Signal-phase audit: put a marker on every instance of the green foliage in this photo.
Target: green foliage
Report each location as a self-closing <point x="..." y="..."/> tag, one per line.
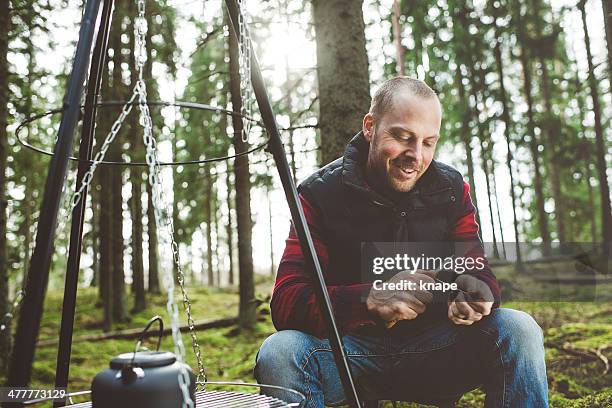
<point x="229" y="353"/>
<point x="600" y="400"/>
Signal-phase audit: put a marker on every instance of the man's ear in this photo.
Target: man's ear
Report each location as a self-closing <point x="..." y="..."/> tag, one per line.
<point x="368" y="127"/>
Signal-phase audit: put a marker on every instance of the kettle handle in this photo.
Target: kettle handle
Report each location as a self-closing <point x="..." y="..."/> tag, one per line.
<point x="141" y="337"/>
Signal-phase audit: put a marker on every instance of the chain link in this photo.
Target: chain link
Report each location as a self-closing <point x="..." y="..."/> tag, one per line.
<point x="246" y="90"/>
<point x="99" y="157"/>
<point x="163" y="219"/>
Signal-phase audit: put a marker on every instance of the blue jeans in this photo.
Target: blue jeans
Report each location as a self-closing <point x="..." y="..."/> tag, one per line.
<point x="503" y="353"/>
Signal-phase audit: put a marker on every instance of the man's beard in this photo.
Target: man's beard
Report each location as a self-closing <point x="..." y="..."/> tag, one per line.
<point x="381" y="176"/>
<point x="403" y="173"/>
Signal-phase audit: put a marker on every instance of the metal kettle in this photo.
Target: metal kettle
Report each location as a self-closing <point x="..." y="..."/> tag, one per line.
<point x="142" y="379"/>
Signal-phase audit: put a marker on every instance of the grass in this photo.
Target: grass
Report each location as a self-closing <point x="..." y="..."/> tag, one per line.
<point x="229" y="353"/>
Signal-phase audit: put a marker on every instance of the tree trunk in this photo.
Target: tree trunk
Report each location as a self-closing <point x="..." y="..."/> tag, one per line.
<point x="119" y="301"/>
<point x="604" y="189"/>
<point x="342" y="73"/>
<point x="105" y="215"/>
<point x="106" y="251"/>
<point x="117" y="92"/>
<point x="478" y="82"/>
<point x="464" y="108"/>
<point x="230" y="227"/>
<point x="215" y="212"/>
<point x="98" y="214"/>
<point x="466" y="136"/>
<point x="27" y="225"/>
<point x="5" y="335"/>
<point x="287" y="94"/>
<point x="586" y="157"/>
<point x="271" y="235"/>
<point x="154" y="286"/>
<point x="484" y="148"/>
<point x="533" y="143"/>
<point x="416" y="12"/>
<point x="178" y="232"/>
<point x="138" y="283"/>
<point x="397" y="38"/>
<point x="95" y="243"/>
<point x="137" y="154"/>
<point x="215" y="220"/>
<point x="137" y="333"/>
<point x="28" y="156"/>
<point x="208" y="217"/>
<point x="485" y="169"/>
<point x="499" y="219"/>
<point x="507" y="128"/>
<point x="551" y="133"/>
<point x="247" y="308"/>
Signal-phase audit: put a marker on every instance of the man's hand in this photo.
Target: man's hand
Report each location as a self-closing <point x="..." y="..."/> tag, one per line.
<point x="395" y="305"/>
<point x="474" y="301"/>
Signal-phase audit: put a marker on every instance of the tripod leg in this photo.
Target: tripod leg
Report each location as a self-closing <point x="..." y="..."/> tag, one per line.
<point x="78" y="213"/>
<point x="20" y="368"/>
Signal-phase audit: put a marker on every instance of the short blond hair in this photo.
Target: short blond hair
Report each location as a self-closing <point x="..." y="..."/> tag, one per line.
<point x="383" y="98"/>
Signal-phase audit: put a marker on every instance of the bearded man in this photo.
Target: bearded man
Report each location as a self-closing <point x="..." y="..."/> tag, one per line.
<point x="409" y="345"/>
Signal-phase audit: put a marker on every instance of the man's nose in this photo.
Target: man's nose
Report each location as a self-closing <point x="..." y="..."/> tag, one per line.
<point x="414" y="151"/>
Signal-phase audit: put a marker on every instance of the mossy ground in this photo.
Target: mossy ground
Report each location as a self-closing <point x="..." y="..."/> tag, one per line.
<point x="229" y="353"/>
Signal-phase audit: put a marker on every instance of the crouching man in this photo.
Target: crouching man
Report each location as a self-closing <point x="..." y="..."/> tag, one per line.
<point x="402" y="344"/>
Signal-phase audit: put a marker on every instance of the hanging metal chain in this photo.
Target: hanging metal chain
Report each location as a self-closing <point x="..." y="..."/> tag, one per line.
<point x="99" y="157"/>
<point x="162" y="214"/>
<point x="162" y="219"/>
<point x="246" y="89"/>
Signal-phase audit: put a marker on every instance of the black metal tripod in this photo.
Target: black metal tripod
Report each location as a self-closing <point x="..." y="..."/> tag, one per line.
<point x="28" y="327"/>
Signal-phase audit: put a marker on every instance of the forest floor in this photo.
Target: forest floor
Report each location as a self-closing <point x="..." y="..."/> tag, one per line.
<point x="578" y="340"/>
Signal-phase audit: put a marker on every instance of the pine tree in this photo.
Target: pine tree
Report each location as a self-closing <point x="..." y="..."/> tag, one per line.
<point x="135" y="202"/>
<point x="505" y="117"/>
<point x="342" y="62"/>
<point x="247" y="307"/>
<point x="542" y="216"/>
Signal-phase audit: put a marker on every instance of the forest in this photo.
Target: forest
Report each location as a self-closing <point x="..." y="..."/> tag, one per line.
<point x="526" y="110"/>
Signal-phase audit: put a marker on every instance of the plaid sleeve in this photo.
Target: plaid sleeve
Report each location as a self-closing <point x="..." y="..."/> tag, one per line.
<point x="466" y="230"/>
<point x="294" y="304"/>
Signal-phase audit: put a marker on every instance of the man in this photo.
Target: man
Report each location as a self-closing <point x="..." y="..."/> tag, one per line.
<point x="401" y="344"/>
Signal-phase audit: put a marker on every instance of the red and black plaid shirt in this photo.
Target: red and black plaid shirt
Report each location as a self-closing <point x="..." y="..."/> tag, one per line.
<point x="294" y="304"/>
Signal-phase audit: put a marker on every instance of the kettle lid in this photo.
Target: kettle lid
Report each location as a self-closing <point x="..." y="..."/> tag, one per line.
<point x="144" y="359"/>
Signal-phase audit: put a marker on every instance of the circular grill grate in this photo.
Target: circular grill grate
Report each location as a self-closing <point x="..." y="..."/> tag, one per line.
<point x="226" y="399"/>
<point x="212" y="399"/>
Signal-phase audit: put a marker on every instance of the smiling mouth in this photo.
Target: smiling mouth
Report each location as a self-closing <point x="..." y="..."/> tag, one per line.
<point x="406" y="171"/>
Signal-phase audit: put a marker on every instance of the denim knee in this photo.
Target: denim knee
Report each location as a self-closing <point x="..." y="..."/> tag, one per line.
<point x="517" y="328"/>
<point x="282" y="350"/>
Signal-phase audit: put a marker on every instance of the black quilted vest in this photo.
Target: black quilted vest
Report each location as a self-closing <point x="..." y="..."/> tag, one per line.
<point x="351" y="213"/>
